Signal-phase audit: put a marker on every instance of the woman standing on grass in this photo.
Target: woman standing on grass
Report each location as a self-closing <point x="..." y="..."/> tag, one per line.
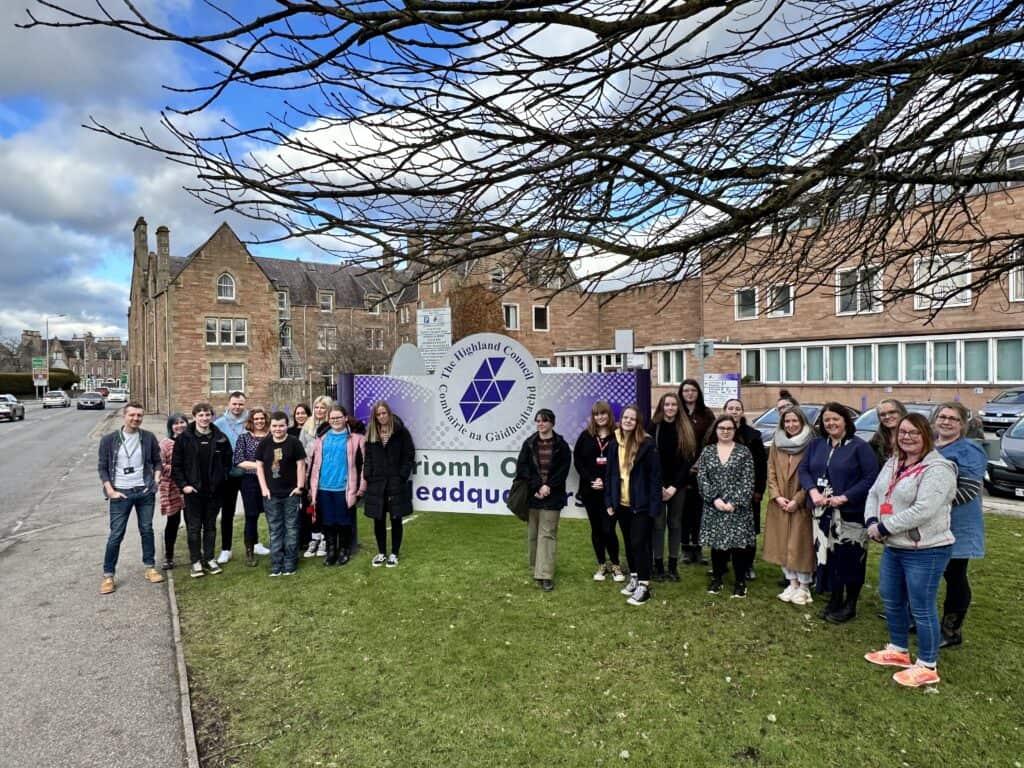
<point x="633" y="496"/>
<point x="335" y="484"/>
<point x="257" y="427"/>
<point x="390" y="456"/>
<point x="750" y="437"/>
<point x="171" y="500"/>
<point x="837" y="471"/>
<point x="908" y="509"/>
<point x="725" y="474"/>
<point x="789" y="530"/>
<point x="677" y="451"/>
<point x="883" y="442"/>
<point x="591" y="456"/>
<point x="701" y="418"/>
<point x="300" y="415"/>
<point x="310" y="527"/>
<point x="968" y="525"/>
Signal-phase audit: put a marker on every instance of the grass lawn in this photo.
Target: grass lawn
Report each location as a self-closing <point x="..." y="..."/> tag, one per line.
<point x="455" y="658"/>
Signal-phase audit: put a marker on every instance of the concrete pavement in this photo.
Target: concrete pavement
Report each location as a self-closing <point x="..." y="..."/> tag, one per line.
<point x="87" y="680"/>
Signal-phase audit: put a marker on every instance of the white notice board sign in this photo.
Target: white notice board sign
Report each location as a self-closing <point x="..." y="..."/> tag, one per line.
<point x="719" y="387"/>
<point x="433" y="334"/>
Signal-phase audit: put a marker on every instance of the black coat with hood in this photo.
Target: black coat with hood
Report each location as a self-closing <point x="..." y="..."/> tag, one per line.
<point x="387" y="470"/>
<point x="185" y="468"/>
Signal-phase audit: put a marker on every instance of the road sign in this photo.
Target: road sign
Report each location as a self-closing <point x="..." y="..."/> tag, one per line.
<point x="433" y="334"/>
<point x="40" y="376"/>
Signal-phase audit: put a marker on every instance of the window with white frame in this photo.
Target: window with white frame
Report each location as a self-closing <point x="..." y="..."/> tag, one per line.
<point x="1017" y="284"/>
<point x="858" y="290"/>
<point x="326" y="337"/>
<point x="227" y="377"/>
<point x="286" y="337"/>
<point x="889" y="362"/>
<point x="976" y="361"/>
<point x="837" y="364"/>
<point x="1009" y="361"/>
<point x="435" y="285"/>
<point x="282" y="302"/>
<point x="374" y="338"/>
<point x="225" y="288"/>
<point x="794" y="364"/>
<point x="372" y="303"/>
<point x="944" y="362"/>
<point x="752" y="364"/>
<point x="497" y="277"/>
<point x="915" y="362"/>
<point x="772" y="365"/>
<point x="511" y="315"/>
<point x="403" y="314"/>
<point x="227" y="331"/>
<point x="942" y="281"/>
<point x="780" y="301"/>
<point x="746" y="303"/>
<point x="540" y="318"/>
<point x="325" y="300"/>
<point x="671" y="366"/>
<point x="815" y="364"/>
<point x="863" y="370"/>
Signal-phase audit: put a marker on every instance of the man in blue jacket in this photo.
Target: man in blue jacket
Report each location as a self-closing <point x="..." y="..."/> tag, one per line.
<point x="129" y="468"/>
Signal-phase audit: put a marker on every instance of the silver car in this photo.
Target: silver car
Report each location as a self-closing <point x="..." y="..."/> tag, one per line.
<point x="11" y="409"/>
<point x="1002" y="410"/>
<point x="56" y="398"/>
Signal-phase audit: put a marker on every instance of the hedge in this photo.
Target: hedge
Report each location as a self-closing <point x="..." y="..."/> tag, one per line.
<point x="21" y="383"/>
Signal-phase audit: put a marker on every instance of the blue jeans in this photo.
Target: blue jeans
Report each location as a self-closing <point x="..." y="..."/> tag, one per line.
<point x="120" y="510"/>
<point x="912" y="576"/>
<point x="283" y="521"/>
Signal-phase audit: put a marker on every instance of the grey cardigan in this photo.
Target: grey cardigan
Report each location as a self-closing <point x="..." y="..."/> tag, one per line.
<point x="921" y="503"/>
<point x="150" y="448"/>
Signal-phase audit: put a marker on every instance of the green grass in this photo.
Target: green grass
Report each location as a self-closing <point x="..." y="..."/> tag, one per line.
<point x="457" y="659"/>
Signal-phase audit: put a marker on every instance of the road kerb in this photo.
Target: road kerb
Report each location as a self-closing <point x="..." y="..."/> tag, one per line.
<point x="188" y="727"/>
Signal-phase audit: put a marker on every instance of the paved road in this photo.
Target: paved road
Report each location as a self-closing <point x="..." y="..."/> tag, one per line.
<point x="86" y="680"/>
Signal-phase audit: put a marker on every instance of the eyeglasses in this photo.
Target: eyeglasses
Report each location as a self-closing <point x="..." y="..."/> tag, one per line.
<point x="726" y="429"/>
<point x="336" y="418"/>
<point x="909" y="433"/>
<point x="943" y="417"/>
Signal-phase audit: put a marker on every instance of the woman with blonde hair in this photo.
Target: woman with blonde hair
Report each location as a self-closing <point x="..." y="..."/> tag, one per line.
<point x="677" y="450"/>
<point x="593" y="452"/>
<point x="310" y="526"/>
<point x="335" y="484"/>
<point x="389" y="459"/>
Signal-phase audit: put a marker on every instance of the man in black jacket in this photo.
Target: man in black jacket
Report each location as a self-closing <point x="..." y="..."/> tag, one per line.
<point x="544" y="463"/>
<point x="200" y="463"/>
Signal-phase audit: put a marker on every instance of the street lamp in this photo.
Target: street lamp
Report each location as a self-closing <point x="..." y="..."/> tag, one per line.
<point x="47" y="320"/>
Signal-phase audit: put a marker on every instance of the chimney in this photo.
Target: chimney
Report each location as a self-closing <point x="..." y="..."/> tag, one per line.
<point x="163" y="258"/>
<point x="141" y="251"/>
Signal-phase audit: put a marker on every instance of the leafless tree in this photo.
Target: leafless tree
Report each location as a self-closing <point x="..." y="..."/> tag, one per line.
<point x="11" y="359"/>
<point x="766" y="139"/>
<point x="357" y="353"/>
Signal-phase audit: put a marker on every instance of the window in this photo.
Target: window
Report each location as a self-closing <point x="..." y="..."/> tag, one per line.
<point x="671" y="367"/>
<point x="942" y="281"/>
<point x="326" y="300"/>
<point x="225" y="288"/>
<point x="793" y="365"/>
<point x="1009" y="361"/>
<point x="435" y="285"/>
<point x="227" y="331"/>
<point x="1017" y="284"/>
<point x="374" y="338"/>
<point x="915" y="362"/>
<point x="780" y="301"/>
<point x="373" y="302"/>
<point x="497" y="277"/>
<point x="327" y="337"/>
<point x="1015" y="163"/>
<point x="772" y="365"/>
<point x="403" y="314"/>
<point x="815" y="364"/>
<point x="862" y="368"/>
<point x="859" y="290"/>
<point x="540" y="318"/>
<point x="837" y="370"/>
<point x="282" y="302"/>
<point x="227" y="377"/>
<point x="746" y="303"/>
<point x="944" y="361"/>
<point x="888" y="362"/>
<point x="286" y="337"/>
<point x="976" y="361"/>
<point x="752" y="364"/>
<point x="511" y="313"/>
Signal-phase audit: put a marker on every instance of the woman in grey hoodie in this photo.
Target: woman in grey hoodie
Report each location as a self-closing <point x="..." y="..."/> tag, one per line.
<point x="908" y="509"/>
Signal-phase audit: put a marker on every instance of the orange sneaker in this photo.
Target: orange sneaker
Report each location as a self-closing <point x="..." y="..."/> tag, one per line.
<point x="107" y="586"/>
<point x="889" y="657"/>
<point x="153" y="576"/>
<point x="916" y="676"/>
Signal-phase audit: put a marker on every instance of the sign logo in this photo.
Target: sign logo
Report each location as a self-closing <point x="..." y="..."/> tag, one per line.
<point x="486" y="391"/>
<point x="495" y="382"/>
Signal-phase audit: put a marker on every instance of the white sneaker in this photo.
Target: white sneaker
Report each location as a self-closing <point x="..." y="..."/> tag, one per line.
<point x="197" y="572"/>
<point x="634" y="582"/>
<point x="378" y="561"/>
<point x="599" y="573"/>
<point x="321" y="550"/>
<point x="259" y="549"/>
<point x="802" y="596"/>
<point x="392" y="561"/>
<point x="224" y="556"/>
<point x="314" y="544"/>
<point x="786" y="595"/>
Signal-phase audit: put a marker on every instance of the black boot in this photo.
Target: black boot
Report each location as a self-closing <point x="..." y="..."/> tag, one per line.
<point x="688" y="556"/>
<point x="835" y="603"/>
<point x="849" y="607"/>
<point x="951" y="636"/>
<point x="673" y="569"/>
<point x="250" y="554"/>
<point x="331" y="545"/>
<point x="659" y="570"/>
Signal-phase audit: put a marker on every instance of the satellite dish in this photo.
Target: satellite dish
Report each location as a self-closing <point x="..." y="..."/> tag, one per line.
<point x="407" y="361"/>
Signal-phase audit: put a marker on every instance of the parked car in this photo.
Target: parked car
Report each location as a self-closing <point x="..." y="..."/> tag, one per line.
<point x="91" y="401"/>
<point x="768" y="421"/>
<point x="1002" y="410"/>
<point x="867" y="422"/>
<point x="56" y="398"/>
<point x="1005" y="475"/>
<point x="11" y="409"/>
<point x="118" y="396"/>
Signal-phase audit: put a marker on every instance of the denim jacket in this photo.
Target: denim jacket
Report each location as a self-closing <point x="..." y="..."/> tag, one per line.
<point x="110" y="443"/>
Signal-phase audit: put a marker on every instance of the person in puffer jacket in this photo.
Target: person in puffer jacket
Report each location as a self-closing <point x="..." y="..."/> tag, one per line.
<point x="908" y="509"/>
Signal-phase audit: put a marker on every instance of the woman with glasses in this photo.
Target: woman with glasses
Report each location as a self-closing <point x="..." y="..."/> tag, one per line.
<point x="335" y="485"/>
<point x="257" y="427"/>
<point x="310" y="528"/>
<point x="543" y="463"/>
<point x="389" y="460"/>
<point x="908" y="510"/>
<point x="725" y="475"/>
<point x="968" y="525"/>
<point x="836" y="472"/>
<point x="883" y="442"/>
<point x="593" y="451"/>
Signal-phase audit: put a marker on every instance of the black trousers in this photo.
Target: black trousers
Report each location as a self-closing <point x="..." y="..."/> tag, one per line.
<point x="201" y="525"/>
<point x="741" y="561"/>
<point x="173" y="522"/>
<point x="638" y="541"/>
<point x="693" y="507"/>
<point x="228" y="502"/>
<point x="602" y="528"/>
<point x="958" y="588"/>
<point x="380" y="532"/>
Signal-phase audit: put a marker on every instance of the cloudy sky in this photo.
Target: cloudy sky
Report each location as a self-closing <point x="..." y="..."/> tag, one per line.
<point x="70" y="196"/>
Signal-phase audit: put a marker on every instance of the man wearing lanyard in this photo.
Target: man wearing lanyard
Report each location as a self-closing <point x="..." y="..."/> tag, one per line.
<point x="129" y="468"/>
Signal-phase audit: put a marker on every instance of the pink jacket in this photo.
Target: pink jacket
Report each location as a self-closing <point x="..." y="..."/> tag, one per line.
<point x="355" y="486"/>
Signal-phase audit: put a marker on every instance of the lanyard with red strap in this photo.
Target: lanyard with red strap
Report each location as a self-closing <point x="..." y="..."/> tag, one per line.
<point x="903" y="472"/>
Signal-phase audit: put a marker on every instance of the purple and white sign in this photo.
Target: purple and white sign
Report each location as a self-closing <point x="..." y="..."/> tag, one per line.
<point x="470" y="417"/>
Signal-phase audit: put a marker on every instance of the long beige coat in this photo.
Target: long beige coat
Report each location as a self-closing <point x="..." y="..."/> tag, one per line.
<point x="788" y="537"/>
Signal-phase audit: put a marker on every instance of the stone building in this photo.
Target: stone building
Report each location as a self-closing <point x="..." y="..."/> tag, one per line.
<point x="93" y="359"/>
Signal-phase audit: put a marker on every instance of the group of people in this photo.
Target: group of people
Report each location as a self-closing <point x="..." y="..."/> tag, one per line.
<point x="700" y="479"/>
<point x="306" y="477"/>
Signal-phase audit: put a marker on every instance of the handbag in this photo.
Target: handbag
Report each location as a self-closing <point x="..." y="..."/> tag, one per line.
<point x="518" y="500"/>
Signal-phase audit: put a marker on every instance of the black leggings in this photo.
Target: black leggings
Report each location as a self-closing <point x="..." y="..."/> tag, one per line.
<point x="173" y="522"/>
<point x="693" y="507"/>
<point x="380" y="531"/>
<point x="228" y="502"/>
<point x="958" y="589"/>
<point x="602" y="528"/>
<point x="636" y="530"/>
<point x="741" y="560"/>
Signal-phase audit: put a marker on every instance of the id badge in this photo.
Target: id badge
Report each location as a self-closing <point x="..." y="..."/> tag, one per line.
<point x="885" y="509"/>
<point x="602" y="460"/>
<point x="129" y="470"/>
<point x="822" y="482"/>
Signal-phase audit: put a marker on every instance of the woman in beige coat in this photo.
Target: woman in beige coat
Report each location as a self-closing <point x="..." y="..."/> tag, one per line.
<point x="788" y="535"/>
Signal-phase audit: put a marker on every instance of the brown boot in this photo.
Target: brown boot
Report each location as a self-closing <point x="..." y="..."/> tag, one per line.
<point x="250" y="555"/>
